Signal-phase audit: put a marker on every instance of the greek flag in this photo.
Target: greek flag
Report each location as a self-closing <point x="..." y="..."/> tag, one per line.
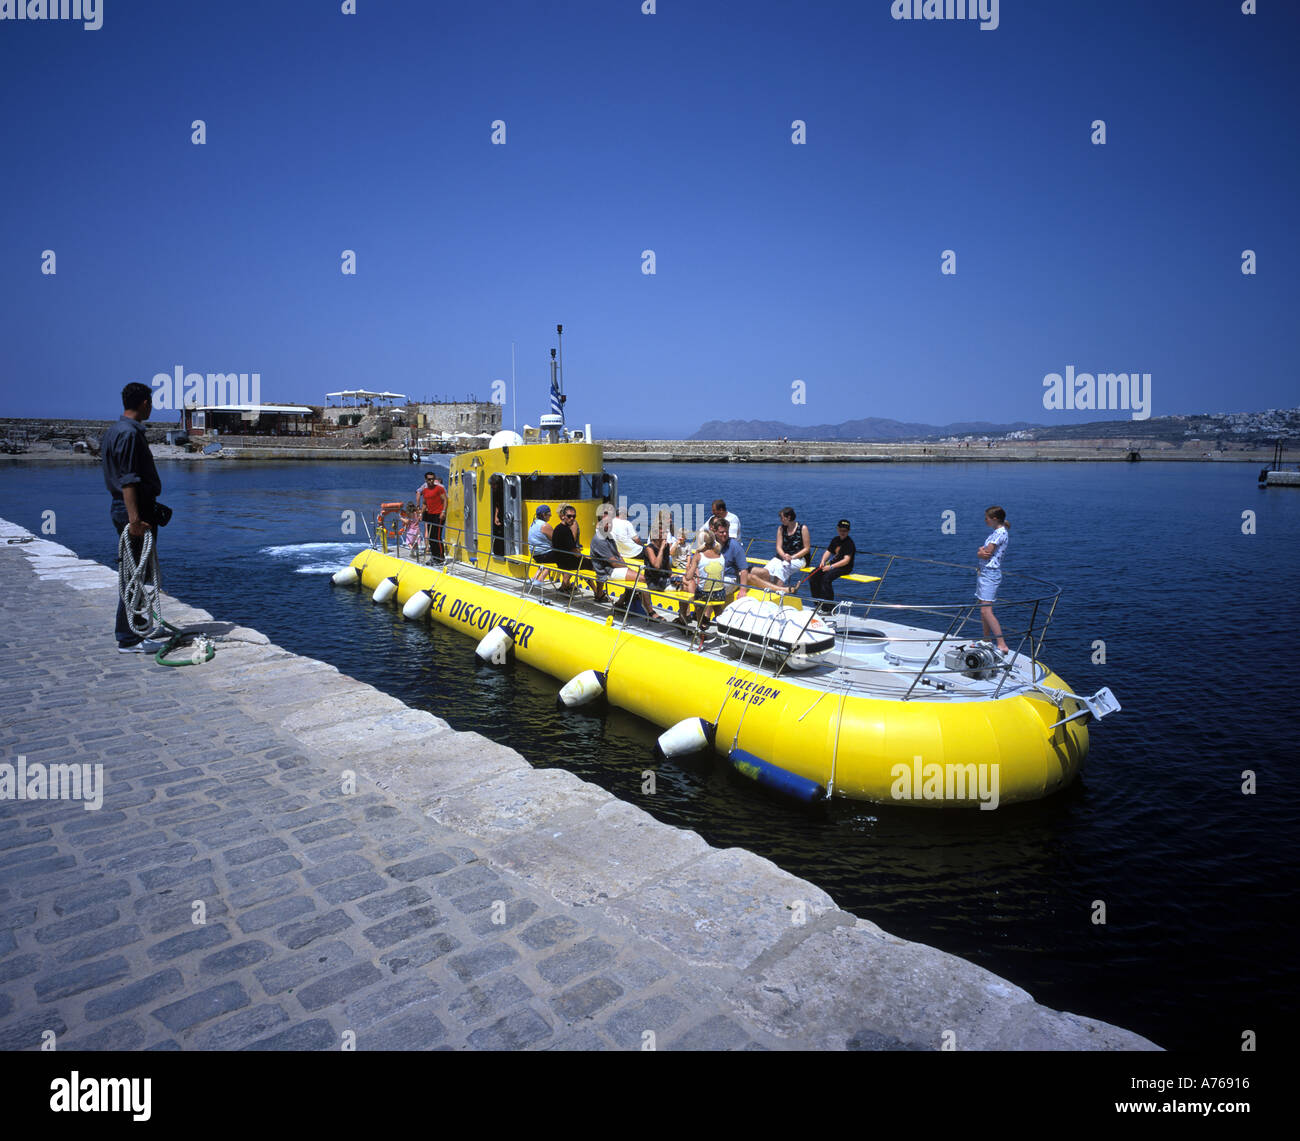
<point x="557" y="406"/>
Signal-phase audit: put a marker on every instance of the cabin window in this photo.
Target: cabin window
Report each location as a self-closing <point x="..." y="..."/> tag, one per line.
<point x="559" y="487"/>
<point x="603" y="486"/>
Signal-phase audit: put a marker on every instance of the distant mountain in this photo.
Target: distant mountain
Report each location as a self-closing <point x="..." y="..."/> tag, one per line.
<point x="1243" y="427"/>
<point x="872" y="428"/>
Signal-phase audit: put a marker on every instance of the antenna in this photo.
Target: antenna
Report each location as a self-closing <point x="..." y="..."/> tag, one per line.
<point x="514" y="407"/>
<point x="559" y="334"/>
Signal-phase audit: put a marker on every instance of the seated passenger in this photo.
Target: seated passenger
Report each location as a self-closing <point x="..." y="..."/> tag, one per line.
<point x="735" y="568"/>
<point x="705" y="581"/>
<point x="624" y="534"/>
<point x="720" y="512"/>
<point x="540" y="546"/>
<point x="658" y="553"/>
<point x="566" y="548"/>
<point x="609" y="564"/>
<point x="566" y="540"/>
<point x="836" y="560"/>
<point x="793" y="546"/>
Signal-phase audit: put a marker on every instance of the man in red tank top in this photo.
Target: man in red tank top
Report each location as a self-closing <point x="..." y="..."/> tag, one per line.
<point x="433" y="502"/>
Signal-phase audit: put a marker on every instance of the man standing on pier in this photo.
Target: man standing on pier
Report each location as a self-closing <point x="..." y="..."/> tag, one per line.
<point x="133" y="483"/>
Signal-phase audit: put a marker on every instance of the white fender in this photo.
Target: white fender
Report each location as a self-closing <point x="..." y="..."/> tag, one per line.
<point x="417" y="606"/>
<point x="689" y="736"/>
<point x="386" y="589"/>
<point x="585" y="687"/>
<point x="346" y="577"/>
<point x="495" y="646"/>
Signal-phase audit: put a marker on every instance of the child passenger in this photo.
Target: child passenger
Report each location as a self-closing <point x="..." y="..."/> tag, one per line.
<point x="411" y="533"/>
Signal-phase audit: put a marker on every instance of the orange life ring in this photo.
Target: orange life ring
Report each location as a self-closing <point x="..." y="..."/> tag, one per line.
<point x="398" y="509"/>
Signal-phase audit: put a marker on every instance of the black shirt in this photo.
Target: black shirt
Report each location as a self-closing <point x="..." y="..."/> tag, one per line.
<point x="127" y="460"/>
<point x="839" y="547"/>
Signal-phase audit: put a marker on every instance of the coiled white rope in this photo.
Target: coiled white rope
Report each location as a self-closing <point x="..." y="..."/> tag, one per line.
<point x="139" y="583"/>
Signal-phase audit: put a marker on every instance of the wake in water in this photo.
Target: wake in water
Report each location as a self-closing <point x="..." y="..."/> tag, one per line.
<point x="311" y="556"/>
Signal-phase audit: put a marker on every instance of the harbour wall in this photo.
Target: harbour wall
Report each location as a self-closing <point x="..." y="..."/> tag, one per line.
<point x="845" y="452"/>
<point x="43" y="434"/>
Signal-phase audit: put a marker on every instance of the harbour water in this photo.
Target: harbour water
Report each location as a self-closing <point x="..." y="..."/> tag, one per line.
<point x="1157" y="562"/>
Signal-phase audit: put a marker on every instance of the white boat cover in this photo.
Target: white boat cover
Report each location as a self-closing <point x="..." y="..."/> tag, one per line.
<point x="763" y="626"/>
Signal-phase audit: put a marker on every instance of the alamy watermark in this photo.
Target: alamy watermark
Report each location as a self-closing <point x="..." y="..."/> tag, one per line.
<point x="75" y="1094"/>
<point x="53" y="782"/>
<point x="89" y="12"/>
<point x="687" y="517"/>
<point x="955" y="783"/>
<point x="986" y="11"/>
<point x="1111" y="391"/>
<point x="180" y="389"/>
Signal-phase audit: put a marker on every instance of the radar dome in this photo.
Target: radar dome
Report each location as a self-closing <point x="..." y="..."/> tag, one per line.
<point x="506" y="439"/>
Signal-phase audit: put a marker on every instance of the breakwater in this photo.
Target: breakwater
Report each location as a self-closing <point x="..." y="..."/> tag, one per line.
<point x="51" y="440"/>
<point x="847" y="452"/>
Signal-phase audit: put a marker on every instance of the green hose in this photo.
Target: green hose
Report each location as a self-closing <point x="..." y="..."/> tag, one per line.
<point x="140" y="587"/>
<point x="207" y="652"/>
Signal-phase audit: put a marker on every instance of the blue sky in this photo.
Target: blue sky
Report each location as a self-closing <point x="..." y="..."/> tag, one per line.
<point x="670" y="132"/>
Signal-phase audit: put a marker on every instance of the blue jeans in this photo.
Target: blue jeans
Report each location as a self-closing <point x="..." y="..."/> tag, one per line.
<point x="125" y="635"/>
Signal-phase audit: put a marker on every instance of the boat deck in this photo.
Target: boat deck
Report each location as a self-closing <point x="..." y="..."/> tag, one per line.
<point x="872" y="657"/>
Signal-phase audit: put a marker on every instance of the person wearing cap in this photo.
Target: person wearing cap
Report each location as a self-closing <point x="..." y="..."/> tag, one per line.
<point x="836" y="560"/>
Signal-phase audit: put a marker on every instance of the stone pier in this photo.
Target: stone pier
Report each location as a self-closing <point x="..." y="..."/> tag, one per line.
<point x="287" y="859"/>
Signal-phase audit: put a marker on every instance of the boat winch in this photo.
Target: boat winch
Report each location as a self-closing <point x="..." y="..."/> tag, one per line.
<point x="977" y="660"/>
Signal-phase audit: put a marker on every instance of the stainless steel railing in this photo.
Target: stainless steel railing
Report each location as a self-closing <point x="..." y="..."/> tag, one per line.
<point x="1024" y="618"/>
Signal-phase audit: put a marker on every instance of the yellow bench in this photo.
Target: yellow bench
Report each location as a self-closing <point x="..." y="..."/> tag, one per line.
<point x="809" y="570"/>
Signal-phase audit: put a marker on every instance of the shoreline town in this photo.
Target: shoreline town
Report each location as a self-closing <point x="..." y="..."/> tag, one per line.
<point x="77" y="441"/>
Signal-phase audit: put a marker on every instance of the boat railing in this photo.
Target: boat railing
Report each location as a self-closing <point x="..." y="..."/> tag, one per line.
<point x="1024" y="613"/>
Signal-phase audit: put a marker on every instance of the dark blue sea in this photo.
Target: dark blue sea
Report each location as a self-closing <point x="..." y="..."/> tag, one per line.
<point x="1198" y="619"/>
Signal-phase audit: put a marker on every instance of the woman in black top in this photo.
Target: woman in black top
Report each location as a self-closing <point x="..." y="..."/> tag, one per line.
<point x="565" y="540"/>
<point x="658" y="553"/>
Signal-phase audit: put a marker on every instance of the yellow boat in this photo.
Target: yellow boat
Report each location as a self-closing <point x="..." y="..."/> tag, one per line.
<point x="893" y="713"/>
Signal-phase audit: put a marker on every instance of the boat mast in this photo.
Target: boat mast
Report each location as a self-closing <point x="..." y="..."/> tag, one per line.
<point x="559" y="339"/>
<point x="553" y="421"/>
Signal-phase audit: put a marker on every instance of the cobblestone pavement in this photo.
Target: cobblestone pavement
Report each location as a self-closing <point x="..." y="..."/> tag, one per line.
<point x="233" y="892"/>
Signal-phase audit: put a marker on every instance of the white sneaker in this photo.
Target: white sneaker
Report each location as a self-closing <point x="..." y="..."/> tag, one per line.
<point x="146" y="646"/>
